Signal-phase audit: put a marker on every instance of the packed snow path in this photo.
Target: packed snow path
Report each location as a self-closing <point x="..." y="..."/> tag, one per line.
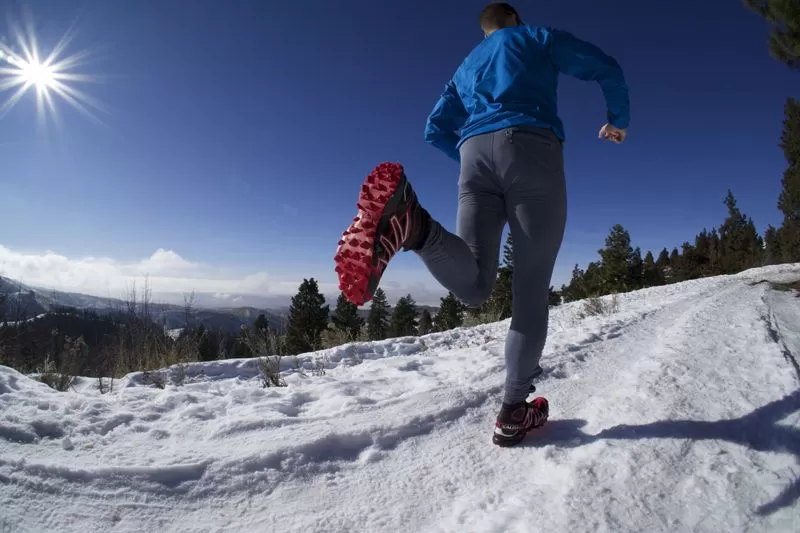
<point x="679" y="411"/>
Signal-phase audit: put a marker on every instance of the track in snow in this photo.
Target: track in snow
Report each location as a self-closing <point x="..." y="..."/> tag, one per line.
<point x="679" y="412"/>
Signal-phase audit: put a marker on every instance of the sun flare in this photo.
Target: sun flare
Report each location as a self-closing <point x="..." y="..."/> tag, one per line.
<point x="39" y="75"/>
<point x="22" y="69"/>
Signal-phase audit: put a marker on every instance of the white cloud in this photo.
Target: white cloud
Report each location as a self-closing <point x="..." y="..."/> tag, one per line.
<point x="165" y="261"/>
<point x="169" y="273"/>
<point x="165" y="270"/>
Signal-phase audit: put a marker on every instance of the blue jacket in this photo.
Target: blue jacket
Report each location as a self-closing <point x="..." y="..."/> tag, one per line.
<point x="511" y="79"/>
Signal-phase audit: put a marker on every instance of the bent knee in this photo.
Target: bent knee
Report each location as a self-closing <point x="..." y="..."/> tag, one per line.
<point x="476" y="298"/>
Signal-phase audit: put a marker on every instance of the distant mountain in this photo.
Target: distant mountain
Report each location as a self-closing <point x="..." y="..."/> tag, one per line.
<point x="23" y="302"/>
<point x="210" y="310"/>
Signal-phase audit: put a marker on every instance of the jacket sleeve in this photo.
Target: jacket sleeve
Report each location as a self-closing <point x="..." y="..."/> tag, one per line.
<point x="446" y="119"/>
<point x="587" y="62"/>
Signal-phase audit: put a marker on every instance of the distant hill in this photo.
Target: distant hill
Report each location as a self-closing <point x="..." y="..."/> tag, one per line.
<point x="25" y="302"/>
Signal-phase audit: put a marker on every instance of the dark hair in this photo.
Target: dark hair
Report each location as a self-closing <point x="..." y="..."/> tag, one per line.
<point x="497" y="15"/>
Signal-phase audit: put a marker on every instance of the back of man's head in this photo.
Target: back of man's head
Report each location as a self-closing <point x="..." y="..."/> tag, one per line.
<point x="498" y="15"/>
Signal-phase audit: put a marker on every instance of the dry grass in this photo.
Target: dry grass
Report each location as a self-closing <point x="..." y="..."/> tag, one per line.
<point x="269" y="369"/>
<point x="58" y="371"/>
<point x="333" y="337"/>
<point x="595" y="306"/>
<point x="484" y="317"/>
<point x="787" y="286"/>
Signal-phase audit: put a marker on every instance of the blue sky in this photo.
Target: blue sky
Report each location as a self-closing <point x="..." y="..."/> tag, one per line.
<point x="237" y="134"/>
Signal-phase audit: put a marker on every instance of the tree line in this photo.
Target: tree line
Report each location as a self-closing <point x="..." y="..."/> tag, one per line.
<point x="69" y="341"/>
<point x="84" y="343"/>
<point x="312" y="325"/>
<point x="736" y="245"/>
<point x="732" y="247"/>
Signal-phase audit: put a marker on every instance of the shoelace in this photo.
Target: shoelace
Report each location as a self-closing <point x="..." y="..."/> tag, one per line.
<point x="399" y="236"/>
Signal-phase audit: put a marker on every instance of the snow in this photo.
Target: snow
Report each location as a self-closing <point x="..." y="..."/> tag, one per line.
<point x="677" y="411"/>
<point x="12" y="323"/>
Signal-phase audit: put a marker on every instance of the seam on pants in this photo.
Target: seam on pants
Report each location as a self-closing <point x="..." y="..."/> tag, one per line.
<point x="494" y="150"/>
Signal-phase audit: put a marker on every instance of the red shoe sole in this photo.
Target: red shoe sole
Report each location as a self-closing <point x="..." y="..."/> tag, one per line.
<point x="358" y="268"/>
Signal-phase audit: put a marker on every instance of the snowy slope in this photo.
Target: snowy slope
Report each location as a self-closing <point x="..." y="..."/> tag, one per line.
<point x="678" y="412"/>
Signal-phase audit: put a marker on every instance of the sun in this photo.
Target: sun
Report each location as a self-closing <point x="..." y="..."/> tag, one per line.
<point x="39" y="75"/>
<point x="22" y="69"/>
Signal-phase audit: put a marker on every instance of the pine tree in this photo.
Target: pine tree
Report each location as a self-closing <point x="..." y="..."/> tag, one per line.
<point x="308" y="318"/>
<point x="674" y="267"/>
<point x="702" y="251"/>
<point x="689" y="265"/>
<point x="378" y="318"/>
<point x="451" y="313"/>
<point x="772" y="251"/>
<point x="554" y="298"/>
<point x="651" y="274"/>
<point x="789" y="200"/>
<point x="784" y="39"/>
<point x="425" y="322"/>
<point x="508" y="252"/>
<point x="575" y="289"/>
<point x="593" y="281"/>
<point x="615" y="258"/>
<point x="241" y="349"/>
<point x="346" y="319"/>
<point x="662" y="263"/>
<point x="207" y="348"/>
<point x="262" y="333"/>
<point x="404" y="318"/>
<point x="633" y="280"/>
<point x="261" y="323"/>
<point x="500" y="302"/>
<point x="714" y="254"/>
<point x="784" y="45"/>
<point x="740" y="245"/>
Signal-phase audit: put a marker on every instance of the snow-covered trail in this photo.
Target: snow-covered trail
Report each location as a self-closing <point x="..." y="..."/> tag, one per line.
<point x="678" y="412"/>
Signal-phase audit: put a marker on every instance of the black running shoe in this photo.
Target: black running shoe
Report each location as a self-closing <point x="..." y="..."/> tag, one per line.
<point x="514" y="421"/>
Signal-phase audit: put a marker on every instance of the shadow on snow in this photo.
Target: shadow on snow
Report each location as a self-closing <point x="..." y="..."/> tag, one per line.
<point x="758" y="430"/>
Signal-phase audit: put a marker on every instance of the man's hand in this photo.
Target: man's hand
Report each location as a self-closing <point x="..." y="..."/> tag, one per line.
<point x="613" y="134"/>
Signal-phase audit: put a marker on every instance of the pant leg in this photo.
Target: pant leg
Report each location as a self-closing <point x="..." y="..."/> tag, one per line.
<point x="531" y="166"/>
<point x="466" y="263"/>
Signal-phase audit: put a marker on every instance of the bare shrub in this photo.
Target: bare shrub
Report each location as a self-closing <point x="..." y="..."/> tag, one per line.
<point x="595" y="306"/>
<point x="178" y="375"/>
<point x="262" y="342"/>
<point x="105" y="385"/>
<point x="318" y="367"/>
<point x="355" y="359"/>
<point x="156" y="378"/>
<point x="488" y="316"/>
<point x="333" y="337"/>
<point x="143" y="344"/>
<point x="269" y="348"/>
<point x="592" y="306"/>
<point x="58" y="371"/>
<point x="614" y="304"/>
<point x="269" y="368"/>
<point x="786" y="286"/>
<point x="54" y="379"/>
